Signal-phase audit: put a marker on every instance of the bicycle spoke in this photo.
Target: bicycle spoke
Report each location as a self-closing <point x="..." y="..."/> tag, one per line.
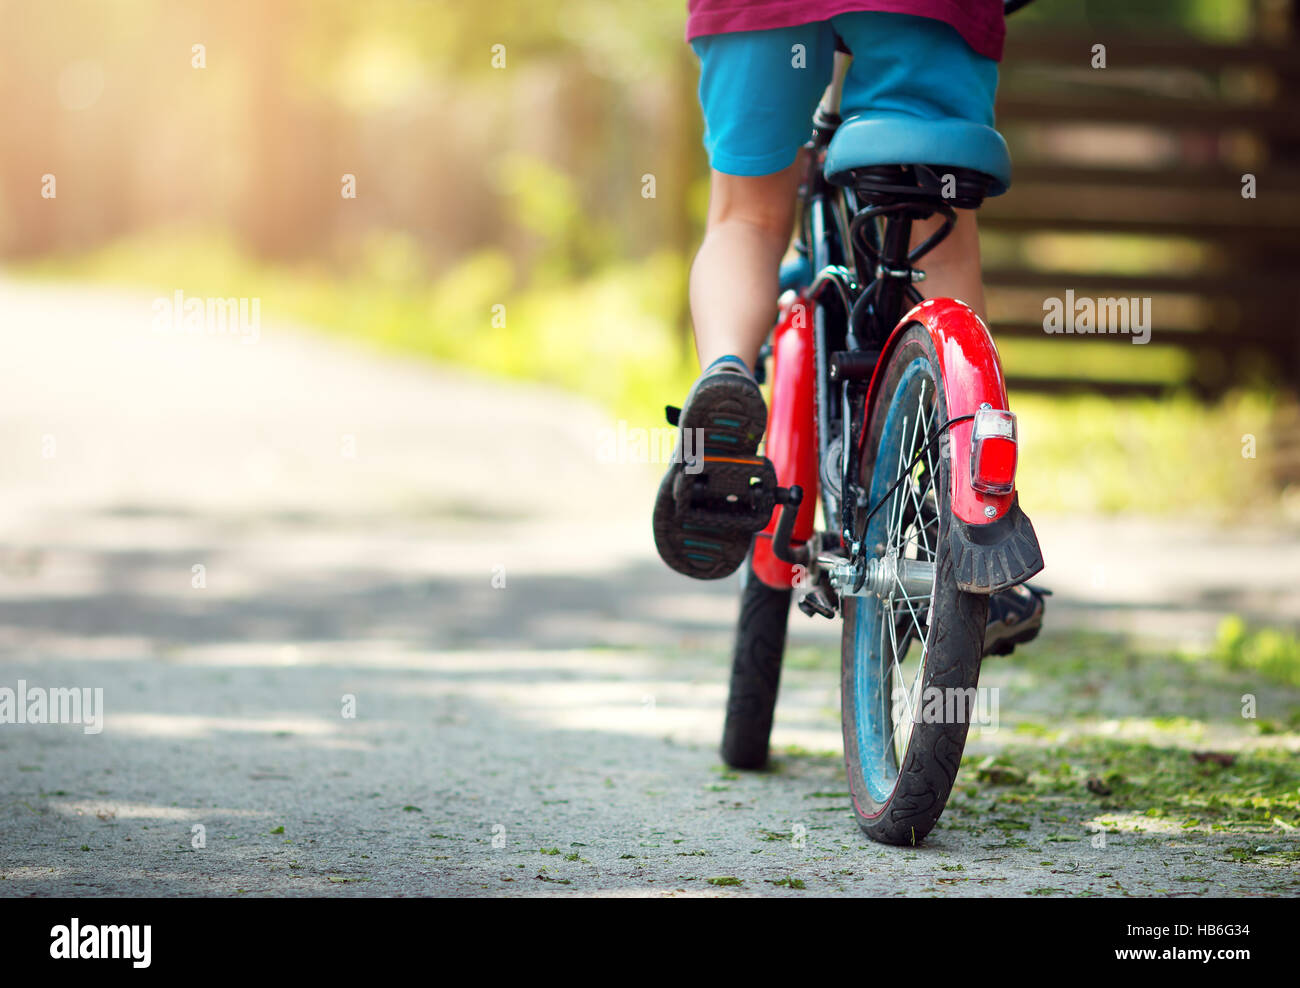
<point x="926" y="414"/>
<point x="910" y="693"/>
<point x="886" y="696"/>
<point x="912" y="530"/>
<point x="896" y="517"/>
<point x="910" y="533"/>
<point x="898" y="681"/>
<point x="920" y="538"/>
<point x="896" y="669"/>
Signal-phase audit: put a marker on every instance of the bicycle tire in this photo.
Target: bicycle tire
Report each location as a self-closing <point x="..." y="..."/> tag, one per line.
<point x="903" y="810"/>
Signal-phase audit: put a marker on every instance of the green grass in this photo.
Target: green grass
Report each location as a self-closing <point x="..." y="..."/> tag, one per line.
<point x="1165" y="783"/>
<point x="1273" y="653"/>
<point x="1158" y="457"/>
<point x="788" y="882"/>
<point x="1101" y="733"/>
<point x="1143" y="738"/>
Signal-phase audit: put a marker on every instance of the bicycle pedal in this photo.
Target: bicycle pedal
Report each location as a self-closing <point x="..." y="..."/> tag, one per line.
<point x="814" y="603"/>
<point x="735" y="493"/>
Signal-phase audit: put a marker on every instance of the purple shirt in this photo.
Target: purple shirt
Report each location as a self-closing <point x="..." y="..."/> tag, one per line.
<point x="980" y="22"/>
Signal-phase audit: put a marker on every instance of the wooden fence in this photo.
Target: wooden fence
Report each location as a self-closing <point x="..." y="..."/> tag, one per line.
<point x="1128" y="182"/>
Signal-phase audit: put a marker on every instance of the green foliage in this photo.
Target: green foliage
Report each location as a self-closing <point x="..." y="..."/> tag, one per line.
<point x="1084" y="454"/>
<point x="1166" y="783"/>
<point x="611" y="337"/>
<point x="1222" y="20"/>
<point x="1272" y="652"/>
<point x="614" y="335"/>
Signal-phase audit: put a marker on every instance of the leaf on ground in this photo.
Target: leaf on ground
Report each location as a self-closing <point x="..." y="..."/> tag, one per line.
<point x="1095" y="786"/>
<point x="998" y="775"/>
<point x="1217" y="757"/>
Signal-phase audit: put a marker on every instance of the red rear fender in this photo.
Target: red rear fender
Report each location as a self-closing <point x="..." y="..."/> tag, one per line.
<point x="972" y="374"/>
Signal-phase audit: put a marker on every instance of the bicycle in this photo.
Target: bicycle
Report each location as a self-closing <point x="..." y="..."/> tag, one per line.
<point x="891" y="412"/>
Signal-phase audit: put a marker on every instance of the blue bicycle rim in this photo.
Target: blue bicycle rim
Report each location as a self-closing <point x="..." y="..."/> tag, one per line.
<point x="871" y="707"/>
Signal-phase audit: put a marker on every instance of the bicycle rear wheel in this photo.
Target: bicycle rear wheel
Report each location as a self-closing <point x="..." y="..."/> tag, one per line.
<point x="902" y="650"/>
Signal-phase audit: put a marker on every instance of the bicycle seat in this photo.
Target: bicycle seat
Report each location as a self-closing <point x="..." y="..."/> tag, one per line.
<point x="897" y="139"/>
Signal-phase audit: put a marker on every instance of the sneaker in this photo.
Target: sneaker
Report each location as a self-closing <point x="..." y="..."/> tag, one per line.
<point x="726" y="411"/>
<point x="1015" y="617"/>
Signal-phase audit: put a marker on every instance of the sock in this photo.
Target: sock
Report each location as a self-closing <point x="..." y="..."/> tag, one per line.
<point x="728" y="362"/>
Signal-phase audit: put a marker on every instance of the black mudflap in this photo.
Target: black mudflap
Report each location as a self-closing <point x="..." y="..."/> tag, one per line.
<point x="993" y="557"/>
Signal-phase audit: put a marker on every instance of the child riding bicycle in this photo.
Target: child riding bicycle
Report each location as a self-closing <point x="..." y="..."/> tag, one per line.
<point x="764" y="64"/>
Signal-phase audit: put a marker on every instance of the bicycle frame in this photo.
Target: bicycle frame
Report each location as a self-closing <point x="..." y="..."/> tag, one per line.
<point x="829" y="347"/>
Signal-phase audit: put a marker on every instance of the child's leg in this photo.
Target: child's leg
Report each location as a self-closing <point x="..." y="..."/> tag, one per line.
<point x="734" y="278"/>
<point x="952" y="269"/>
<point x="757" y="90"/>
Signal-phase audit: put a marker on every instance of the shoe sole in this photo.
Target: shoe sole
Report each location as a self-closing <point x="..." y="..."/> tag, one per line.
<point x="729" y="412"/>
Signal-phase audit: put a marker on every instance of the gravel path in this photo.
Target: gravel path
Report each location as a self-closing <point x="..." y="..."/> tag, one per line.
<point x="428" y="649"/>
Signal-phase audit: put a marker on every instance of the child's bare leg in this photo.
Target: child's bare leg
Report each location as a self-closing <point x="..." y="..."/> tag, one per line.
<point x="952" y="269"/>
<point x="734" y="277"/>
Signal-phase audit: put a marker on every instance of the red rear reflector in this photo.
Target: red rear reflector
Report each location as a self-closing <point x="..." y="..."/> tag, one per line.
<point x="993" y="451"/>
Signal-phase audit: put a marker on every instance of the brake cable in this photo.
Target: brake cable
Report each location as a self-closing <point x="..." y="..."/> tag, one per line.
<point x="905" y="475"/>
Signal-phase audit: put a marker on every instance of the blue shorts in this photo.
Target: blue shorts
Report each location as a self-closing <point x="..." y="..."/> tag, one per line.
<point x="758" y="89"/>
